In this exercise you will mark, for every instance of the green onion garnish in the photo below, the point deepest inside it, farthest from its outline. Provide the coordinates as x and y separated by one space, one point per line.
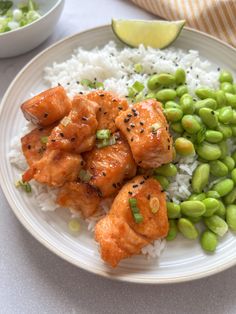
74 225
155 127
99 85
87 83
106 142
85 175
65 121
138 86
131 92
44 139
24 185
138 217
138 68
103 134
135 210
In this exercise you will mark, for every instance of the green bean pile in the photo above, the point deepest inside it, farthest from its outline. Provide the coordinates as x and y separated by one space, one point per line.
201 126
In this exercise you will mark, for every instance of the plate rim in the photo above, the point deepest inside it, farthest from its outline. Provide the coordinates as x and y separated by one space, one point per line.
38 236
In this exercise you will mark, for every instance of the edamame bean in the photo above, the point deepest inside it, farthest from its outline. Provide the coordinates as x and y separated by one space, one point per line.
171 104
197 197
223 148
208 241
233 128
211 205
181 90
187 228
166 94
234 156
231 99
231 197
186 103
218 168
177 127
213 136
172 233
168 170
173 210
212 194
173 114
224 187
151 95
229 162
234 86
162 180
193 208
233 175
206 103
190 124
208 151
216 225
184 147
209 117
227 87
221 98
221 210
231 216
165 79
190 137
180 76
200 178
225 130
195 220
152 82
226 115
225 76
233 121
205 92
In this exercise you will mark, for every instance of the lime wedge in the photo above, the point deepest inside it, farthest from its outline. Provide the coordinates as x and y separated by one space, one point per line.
156 34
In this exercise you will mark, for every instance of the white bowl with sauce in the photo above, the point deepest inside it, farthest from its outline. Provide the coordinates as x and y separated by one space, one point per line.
23 39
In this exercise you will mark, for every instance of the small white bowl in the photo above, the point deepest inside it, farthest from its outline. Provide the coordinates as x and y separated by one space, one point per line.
23 39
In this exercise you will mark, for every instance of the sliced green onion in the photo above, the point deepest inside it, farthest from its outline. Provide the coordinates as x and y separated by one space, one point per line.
138 68
138 217
99 85
5 6
131 92
133 202
103 134
85 175
24 185
106 142
138 86
87 83
74 225
156 126
44 139
65 121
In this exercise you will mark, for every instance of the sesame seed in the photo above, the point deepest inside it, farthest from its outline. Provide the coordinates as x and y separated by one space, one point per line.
141 123
62 134
135 186
105 112
100 109
114 185
149 197
72 139
135 114
168 147
212 112
132 125
132 139
104 174
29 146
77 82
129 115
142 182
45 115
40 129
101 95
84 118
134 110
120 108
53 141
142 131
140 161
114 100
130 192
126 120
81 93
128 129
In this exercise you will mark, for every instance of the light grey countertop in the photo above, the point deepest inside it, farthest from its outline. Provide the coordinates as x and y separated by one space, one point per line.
34 280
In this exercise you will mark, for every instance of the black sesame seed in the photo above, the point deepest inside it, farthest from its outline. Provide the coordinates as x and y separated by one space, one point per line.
126 120
140 161
149 197
114 100
105 112
77 82
128 129
68 83
218 69
53 141
135 114
197 76
104 174
141 123
168 147
142 182
82 163
130 192
72 139
131 139
120 108
114 185
132 125
133 110
40 129
101 95
129 115
45 115
100 109
29 146
62 134
212 112
142 131
58 84
81 93
168 140
84 118
135 186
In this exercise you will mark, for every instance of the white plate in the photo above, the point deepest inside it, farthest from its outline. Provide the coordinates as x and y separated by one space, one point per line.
183 259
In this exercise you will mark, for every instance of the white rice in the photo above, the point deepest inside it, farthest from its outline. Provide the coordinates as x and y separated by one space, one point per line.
115 68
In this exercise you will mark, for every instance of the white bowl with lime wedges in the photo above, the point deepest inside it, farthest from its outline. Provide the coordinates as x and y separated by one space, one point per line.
25 24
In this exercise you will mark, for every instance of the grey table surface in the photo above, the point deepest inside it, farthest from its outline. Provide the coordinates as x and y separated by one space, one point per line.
34 280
